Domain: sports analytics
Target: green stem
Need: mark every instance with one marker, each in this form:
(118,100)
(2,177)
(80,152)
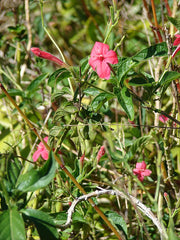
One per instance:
(18,57)
(158,167)
(113,22)
(119,43)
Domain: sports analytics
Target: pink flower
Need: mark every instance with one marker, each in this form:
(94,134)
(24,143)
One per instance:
(41,151)
(163,118)
(100,153)
(176,43)
(48,56)
(100,59)
(82,160)
(141,171)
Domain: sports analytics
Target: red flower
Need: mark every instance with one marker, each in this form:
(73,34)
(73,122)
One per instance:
(48,56)
(176,43)
(101,153)
(41,151)
(163,118)
(82,160)
(141,171)
(100,59)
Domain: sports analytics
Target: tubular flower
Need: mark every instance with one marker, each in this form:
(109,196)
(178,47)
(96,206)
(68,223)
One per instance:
(41,151)
(100,59)
(176,43)
(100,153)
(141,171)
(48,56)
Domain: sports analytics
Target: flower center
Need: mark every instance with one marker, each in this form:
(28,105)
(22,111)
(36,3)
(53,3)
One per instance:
(100,57)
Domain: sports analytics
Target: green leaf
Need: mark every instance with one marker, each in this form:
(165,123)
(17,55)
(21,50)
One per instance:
(13,170)
(12,225)
(36,82)
(157,50)
(58,76)
(56,131)
(77,217)
(60,218)
(36,179)
(168,77)
(175,22)
(144,79)
(84,65)
(100,99)
(65,109)
(60,93)
(124,66)
(117,221)
(125,100)
(43,222)
(91,91)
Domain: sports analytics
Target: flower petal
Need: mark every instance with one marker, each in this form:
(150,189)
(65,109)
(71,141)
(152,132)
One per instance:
(45,154)
(163,118)
(46,139)
(177,40)
(136,171)
(99,49)
(93,62)
(176,51)
(111,57)
(146,172)
(141,165)
(141,177)
(36,155)
(103,70)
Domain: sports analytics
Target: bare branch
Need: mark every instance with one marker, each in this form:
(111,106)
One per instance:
(129,197)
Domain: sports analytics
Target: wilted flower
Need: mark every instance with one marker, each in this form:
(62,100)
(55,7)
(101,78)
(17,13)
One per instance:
(176,43)
(141,171)
(100,153)
(100,59)
(48,56)
(41,151)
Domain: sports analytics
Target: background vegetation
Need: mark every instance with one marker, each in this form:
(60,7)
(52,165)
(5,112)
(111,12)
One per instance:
(79,112)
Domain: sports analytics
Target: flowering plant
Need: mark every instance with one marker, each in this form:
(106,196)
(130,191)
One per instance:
(41,151)
(141,171)
(99,81)
(100,59)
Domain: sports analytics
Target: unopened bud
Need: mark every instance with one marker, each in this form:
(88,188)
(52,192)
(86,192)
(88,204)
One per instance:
(100,153)
(48,56)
